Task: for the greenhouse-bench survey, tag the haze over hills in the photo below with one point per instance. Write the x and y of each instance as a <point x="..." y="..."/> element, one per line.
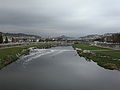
<point x="92" y="36"/>
<point x="19" y="35"/>
<point x="60" y="17"/>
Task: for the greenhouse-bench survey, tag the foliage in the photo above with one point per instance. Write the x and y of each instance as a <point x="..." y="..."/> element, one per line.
<point x="108" y="59"/>
<point x="10" y="55"/>
<point x="105" y="61"/>
<point x="1" y="38"/>
<point x="86" y="46"/>
<point x="116" y="38"/>
<point x="6" y="40"/>
<point x="13" y="40"/>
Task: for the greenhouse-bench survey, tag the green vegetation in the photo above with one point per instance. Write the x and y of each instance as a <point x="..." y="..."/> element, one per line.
<point x="1" y="38"/>
<point x="109" y="59"/>
<point x="114" y="38"/>
<point x="103" y="60"/>
<point x="46" y="45"/>
<point x="86" y="46"/>
<point x="6" y="40"/>
<point x="115" y="54"/>
<point x="9" y="55"/>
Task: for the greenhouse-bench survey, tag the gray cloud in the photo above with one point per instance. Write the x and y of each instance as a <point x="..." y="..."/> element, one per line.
<point x="55" y="17"/>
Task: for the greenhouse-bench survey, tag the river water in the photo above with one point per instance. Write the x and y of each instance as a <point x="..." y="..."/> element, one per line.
<point x="58" y="68"/>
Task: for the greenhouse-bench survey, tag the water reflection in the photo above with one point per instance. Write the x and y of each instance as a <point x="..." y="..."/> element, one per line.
<point x="60" y="69"/>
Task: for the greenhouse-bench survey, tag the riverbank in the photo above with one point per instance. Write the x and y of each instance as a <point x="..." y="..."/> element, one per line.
<point x="9" y="55"/>
<point x="104" y="57"/>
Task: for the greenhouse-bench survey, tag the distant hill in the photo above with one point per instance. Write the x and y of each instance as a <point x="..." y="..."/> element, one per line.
<point x="93" y="36"/>
<point x="63" y="36"/>
<point x="98" y="36"/>
<point x="19" y="35"/>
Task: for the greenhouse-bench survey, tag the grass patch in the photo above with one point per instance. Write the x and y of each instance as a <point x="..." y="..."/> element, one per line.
<point x="9" y="55"/>
<point x="106" y="60"/>
<point x="115" y="54"/>
<point x="109" y="59"/>
<point x="86" y="46"/>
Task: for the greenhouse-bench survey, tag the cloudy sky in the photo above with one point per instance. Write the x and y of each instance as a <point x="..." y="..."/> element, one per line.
<point x="58" y="17"/>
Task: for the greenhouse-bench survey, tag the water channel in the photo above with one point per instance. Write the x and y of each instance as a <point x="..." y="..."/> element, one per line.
<point x="57" y="68"/>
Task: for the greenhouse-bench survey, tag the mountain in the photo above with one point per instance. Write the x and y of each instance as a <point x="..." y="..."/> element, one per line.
<point x="19" y="35"/>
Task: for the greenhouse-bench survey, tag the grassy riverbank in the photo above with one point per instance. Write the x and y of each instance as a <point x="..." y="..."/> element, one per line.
<point x="9" y="55"/>
<point x="109" y="59"/>
<point x="86" y="46"/>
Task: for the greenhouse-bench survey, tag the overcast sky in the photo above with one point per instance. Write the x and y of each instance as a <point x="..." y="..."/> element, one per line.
<point x="58" y="17"/>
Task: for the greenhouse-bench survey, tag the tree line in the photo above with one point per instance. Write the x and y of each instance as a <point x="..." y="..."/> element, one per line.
<point x="1" y="39"/>
<point x="114" y="38"/>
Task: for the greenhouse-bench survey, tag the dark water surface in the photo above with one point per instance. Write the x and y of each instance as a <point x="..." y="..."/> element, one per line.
<point x="58" y="68"/>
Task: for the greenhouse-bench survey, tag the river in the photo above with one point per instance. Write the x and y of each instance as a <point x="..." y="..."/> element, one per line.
<point x="57" y="68"/>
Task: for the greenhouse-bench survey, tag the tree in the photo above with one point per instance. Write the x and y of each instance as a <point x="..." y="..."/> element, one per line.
<point x="6" y="40"/>
<point x="116" y="38"/>
<point x="40" y="40"/>
<point x="13" y="40"/>
<point x="100" y="39"/>
<point x="1" y="38"/>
